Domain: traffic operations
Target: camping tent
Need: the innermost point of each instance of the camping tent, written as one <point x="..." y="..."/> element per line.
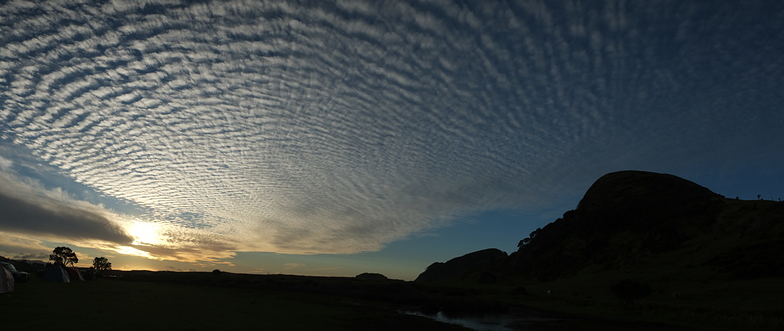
<point x="74" y="274"/>
<point x="57" y="273"/>
<point x="6" y="281"/>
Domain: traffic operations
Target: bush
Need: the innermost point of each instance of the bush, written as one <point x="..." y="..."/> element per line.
<point x="629" y="291"/>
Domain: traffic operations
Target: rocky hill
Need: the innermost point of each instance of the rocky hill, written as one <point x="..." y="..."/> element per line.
<point x="624" y="218"/>
<point x="636" y="218"/>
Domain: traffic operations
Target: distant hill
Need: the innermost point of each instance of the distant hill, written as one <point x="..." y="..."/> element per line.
<point x="460" y="267"/>
<point x="371" y="276"/>
<point x="634" y="218"/>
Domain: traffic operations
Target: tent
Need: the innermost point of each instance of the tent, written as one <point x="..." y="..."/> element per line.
<point x="74" y="274"/>
<point x="57" y="273"/>
<point x="6" y="281"/>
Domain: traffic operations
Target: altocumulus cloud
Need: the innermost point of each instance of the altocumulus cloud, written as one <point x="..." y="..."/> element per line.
<point x="336" y="127"/>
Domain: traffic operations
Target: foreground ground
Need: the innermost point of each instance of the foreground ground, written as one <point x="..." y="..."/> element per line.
<point x="201" y="301"/>
<point x="127" y="305"/>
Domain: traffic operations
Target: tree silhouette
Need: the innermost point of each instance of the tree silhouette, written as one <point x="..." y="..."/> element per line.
<point x="102" y="264"/>
<point x="63" y="256"/>
<point x="527" y="241"/>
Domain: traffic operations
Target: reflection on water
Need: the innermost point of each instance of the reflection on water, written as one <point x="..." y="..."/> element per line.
<point x="487" y="322"/>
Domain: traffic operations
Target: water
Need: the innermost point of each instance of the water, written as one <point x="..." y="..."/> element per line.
<point x="487" y="322"/>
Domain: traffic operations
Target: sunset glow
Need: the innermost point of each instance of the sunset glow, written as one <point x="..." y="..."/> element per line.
<point x="145" y="233"/>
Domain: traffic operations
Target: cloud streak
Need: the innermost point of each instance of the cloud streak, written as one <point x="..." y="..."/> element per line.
<point x="45" y="215"/>
<point x="57" y="220"/>
<point x="323" y="127"/>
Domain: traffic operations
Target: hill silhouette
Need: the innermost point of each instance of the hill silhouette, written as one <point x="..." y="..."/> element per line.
<point x="461" y="266"/>
<point x="634" y="218"/>
<point x="623" y="218"/>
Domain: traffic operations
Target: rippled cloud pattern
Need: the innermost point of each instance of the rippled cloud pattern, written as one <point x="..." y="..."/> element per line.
<point x="337" y="127"/>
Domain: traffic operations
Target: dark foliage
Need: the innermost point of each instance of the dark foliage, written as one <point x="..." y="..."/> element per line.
<point x="520" y="292"/>
<point x="752" y="261"/>
<point x="63" y="256"/>
<point x="102" y="264"/>
<point x="629" y="291"/>
<point x="89" y="274"/>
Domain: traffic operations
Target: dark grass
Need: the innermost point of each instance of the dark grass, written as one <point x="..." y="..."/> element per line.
<point x="201" y="301"/>
<point x="142" y="305"/>
<point x="704" y="301"/>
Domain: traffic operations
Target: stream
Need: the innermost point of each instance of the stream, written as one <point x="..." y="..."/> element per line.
<point x="489" y="322"/>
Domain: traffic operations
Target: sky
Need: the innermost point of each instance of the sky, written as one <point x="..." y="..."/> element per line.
<point x="339" y="137"/>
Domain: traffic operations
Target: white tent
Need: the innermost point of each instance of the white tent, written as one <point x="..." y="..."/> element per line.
<point x="6" y="281"/>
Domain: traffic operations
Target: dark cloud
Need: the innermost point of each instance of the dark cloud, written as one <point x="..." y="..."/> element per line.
<point x="55" y="219"/>
<point x="31" y="256"/>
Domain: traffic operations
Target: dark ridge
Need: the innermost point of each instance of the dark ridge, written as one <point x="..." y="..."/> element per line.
<point x="626" y="190"/>
<point x="461" y="266"/>
<point x="623" y="218"/>
<point x="371" y="276"/>
<point x="631" y="218"/>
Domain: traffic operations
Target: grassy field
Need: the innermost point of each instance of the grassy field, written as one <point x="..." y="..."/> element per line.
<point x="201" y="301"/>
<point x="684" y="293"/>
<point x="586" y="303"/>
<point x="141" y="305"/>
<point x="729" y="306"/>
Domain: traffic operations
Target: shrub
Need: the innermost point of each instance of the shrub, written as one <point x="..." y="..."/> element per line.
<point x="629" y="291"/>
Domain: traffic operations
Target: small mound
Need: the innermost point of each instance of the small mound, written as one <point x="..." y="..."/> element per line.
<point x="371" y="276"/>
